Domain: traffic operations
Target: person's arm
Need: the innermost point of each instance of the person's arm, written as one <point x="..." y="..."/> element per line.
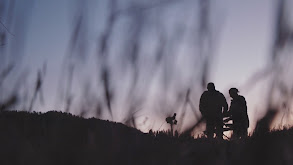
<point x="225" y="105"/>
<point x="243" y="105"/>
<point x="202" y="103"/>
<point x="244" y="102"/>
<point x="245" y="111"/>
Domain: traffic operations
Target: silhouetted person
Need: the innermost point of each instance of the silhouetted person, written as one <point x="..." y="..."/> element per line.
<point x="238" y="112"/>
<point x="212" y="106"/>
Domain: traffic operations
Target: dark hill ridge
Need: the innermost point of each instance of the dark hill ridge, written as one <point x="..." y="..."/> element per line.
<point x="61" y="138"/>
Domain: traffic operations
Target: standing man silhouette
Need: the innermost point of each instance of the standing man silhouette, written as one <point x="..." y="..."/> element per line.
<point x="238" y="112"/>
<point x="212" y="105"/>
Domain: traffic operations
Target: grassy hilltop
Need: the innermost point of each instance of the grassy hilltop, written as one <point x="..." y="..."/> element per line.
<point x="61" y="138"/>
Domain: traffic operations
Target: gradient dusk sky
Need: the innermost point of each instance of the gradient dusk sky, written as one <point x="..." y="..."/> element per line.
<point x="244" y="40"/>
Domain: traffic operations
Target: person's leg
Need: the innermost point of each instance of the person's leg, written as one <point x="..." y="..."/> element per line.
<point x="210" y="128"/>
<point x="243" y="132"/>
<point x="219" y="128"/>
<point x="236" y="130"/>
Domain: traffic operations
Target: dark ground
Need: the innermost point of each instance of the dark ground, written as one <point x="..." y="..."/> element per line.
<point x="60" y="138"/>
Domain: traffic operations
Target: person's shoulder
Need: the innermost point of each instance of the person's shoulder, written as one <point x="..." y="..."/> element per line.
<point x="204" y="94"/>
<point x="241" y="97"/>
<point x="220" y="93"/>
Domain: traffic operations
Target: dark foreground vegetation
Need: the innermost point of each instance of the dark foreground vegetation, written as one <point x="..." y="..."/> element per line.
<point x="61" y="138"/>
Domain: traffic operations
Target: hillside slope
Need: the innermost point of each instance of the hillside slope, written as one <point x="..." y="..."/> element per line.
<point x="60" y="138"/>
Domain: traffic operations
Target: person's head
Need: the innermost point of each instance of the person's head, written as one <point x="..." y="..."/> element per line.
<point x="211" y="86"/>
<point x="233" y="92"/>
